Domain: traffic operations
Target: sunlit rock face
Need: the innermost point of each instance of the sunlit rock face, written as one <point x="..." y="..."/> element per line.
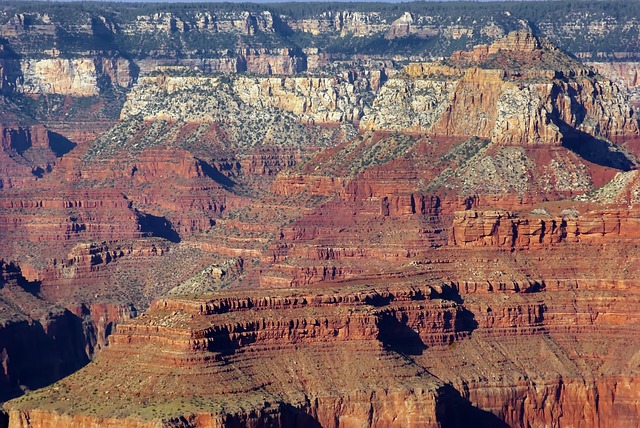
<point x="240" y="219"/>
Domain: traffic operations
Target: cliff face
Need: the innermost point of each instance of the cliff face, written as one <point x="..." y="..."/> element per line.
<point x="502" y="229"/>
<point x="300" y="332"/>
<point x="416" y="218"/>
<point x="537" y="103"/>
<point x="40" y="342"/>
<point x="81" y="77"/>
<point x="313" y="99"/>
<point x="178" y="338"/>
<point x="625" y="74"/>
<point x="83" y="52"/>
<point x="26" y="153"/>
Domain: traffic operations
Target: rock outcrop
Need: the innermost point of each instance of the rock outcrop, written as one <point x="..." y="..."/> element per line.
<point x="625" y="74"/>
<point x="314" y="99"/>
<point x="481" y="93"/>
<point x="83" y="52"/>
<point x="447" y="223"/>
<point x="503" y="229"/>
<point x="412" y="332"/>
<point x="82" y="77"/>
<point x="623" y="189"/>
<point x="40" y="342"/>
<point x="25" y="154"/>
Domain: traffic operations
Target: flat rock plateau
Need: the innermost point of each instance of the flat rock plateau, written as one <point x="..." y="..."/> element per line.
<point x="319" y="215"/>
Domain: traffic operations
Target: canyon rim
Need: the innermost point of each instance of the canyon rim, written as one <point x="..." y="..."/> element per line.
<point x="320" y="214"/>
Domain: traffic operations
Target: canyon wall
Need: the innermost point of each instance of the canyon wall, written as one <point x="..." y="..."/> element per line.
<point x="414" y="332"/>
<point x="468" y="96"/>
<point x="90" y="51"/>
<point x="77" y="76"/>
<point x="423" y="218"/>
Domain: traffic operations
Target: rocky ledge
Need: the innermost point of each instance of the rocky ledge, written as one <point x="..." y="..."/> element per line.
<point x="424" y="358"/>
<point x="482" y="93"/>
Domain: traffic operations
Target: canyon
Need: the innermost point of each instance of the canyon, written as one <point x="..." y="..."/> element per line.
<point x="255" y="215"/>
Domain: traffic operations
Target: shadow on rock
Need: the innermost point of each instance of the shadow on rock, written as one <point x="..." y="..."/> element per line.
<point x="294" y="417"/>
<point x="595" y="150"/>
<point x="38" y="353"/>
<point x="465" y="321"/>
<point x="397" y="336"/>
<point x="447" y="292"/>
<point x="213" y="173"/>
<point x="455" y="411"/>
<point x="222" y="343"/>
<point x="59" y="144"/>
<point x="157" y="226"/>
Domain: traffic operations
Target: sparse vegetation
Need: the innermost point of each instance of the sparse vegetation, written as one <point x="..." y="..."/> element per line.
<point x="89" y="26"/>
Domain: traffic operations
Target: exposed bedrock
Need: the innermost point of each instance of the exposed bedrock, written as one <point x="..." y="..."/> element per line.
<point x="42" y="342"/>
<point x="473" y="93"/>
<point x="525" y="359"/>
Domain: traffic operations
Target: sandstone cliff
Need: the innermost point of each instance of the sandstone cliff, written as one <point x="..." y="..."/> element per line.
<point x="503" y="229"/>
<point x="535" y="103"/>
<point x="438" y="248"/>
<point x="410" y="331"/>
<point x="78" y="76"/>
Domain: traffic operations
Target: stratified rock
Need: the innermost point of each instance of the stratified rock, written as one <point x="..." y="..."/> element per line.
<point x="503" y="229"/>
<point x="77" y="77"/>
<point x="518" y="91"/>
<point x="437" y="246"/>
<point x="266" y="356"/>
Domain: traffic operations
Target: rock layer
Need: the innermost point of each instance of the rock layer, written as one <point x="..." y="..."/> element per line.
<point x="448" y="263"/>
<point x="412" y="330"/>
<point x="471" y="95"/>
